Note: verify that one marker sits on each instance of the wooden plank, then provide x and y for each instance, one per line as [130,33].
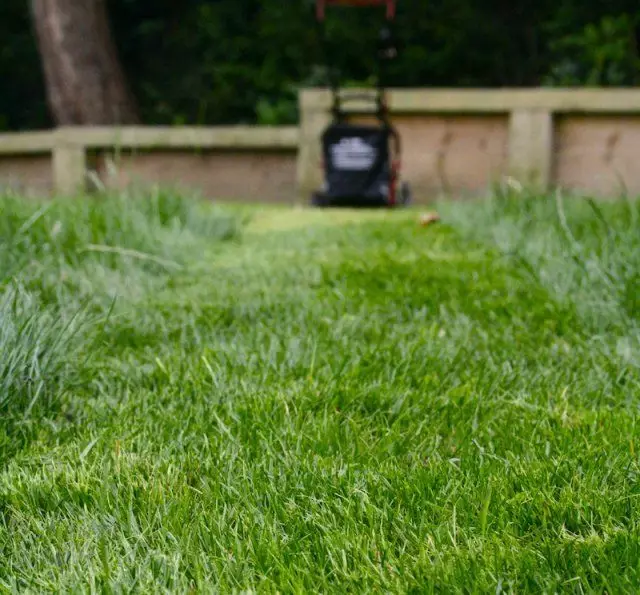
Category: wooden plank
[479,101]
[26,143]
[186,137]
[234,137]
[531,147]
[69,169]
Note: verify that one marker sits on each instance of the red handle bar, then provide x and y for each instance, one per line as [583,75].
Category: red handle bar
[322,4]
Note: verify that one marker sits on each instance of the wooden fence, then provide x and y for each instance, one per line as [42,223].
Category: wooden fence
[227,163]
[455,142]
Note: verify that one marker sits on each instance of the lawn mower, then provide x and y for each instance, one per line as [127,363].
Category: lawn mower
[361,163]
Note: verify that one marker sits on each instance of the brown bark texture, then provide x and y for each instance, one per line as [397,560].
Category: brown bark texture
[84,79]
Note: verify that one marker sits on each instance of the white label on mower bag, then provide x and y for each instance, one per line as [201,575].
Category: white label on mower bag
[353,154]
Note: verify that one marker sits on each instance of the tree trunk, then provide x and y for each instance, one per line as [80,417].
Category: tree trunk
[85,81]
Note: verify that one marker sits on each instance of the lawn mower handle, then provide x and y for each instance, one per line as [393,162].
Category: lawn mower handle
[340,98]
[347,96]
[322,4]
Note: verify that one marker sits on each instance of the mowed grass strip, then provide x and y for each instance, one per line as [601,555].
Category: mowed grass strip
[319,401]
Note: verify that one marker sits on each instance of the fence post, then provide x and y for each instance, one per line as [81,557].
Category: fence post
[531,146]
[69,163]
[314,117]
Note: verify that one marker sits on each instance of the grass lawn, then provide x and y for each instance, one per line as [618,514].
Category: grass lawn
[197,398]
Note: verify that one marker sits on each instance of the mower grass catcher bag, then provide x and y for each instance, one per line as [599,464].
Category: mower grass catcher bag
[357,166]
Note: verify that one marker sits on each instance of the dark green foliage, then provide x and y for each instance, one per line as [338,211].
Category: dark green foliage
[22,92]
[226,61]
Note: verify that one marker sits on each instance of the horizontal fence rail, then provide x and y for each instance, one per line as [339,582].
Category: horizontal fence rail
[479,101]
